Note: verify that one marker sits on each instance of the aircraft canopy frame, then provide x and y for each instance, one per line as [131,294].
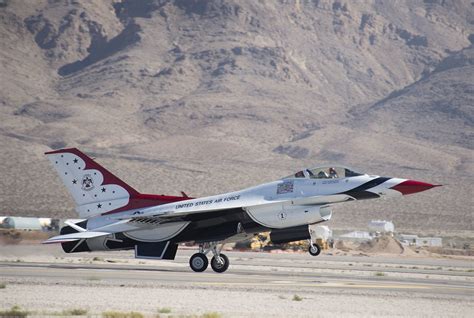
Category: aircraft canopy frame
[325,172]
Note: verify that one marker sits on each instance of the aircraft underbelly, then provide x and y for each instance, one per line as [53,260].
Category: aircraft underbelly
[158,233]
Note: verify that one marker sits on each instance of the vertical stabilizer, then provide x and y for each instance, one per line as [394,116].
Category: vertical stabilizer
[94,189]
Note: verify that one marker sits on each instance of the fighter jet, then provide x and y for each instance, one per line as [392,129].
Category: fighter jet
[115,216]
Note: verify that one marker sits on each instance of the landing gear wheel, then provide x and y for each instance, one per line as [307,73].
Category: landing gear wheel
[220,263]
[314,249]
[198,262]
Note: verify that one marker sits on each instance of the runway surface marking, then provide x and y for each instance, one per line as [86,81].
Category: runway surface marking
[335,285]
[230,279]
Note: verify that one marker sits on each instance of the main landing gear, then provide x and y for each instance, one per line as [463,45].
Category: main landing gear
[219,262]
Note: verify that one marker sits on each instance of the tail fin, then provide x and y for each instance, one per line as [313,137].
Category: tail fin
[94,189]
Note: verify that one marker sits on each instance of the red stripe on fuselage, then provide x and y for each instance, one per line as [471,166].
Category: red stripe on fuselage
[147,200]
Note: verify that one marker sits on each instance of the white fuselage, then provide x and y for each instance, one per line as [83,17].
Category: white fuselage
[279,204]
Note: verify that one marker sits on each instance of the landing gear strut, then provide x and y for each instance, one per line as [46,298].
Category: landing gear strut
[219,262]
[314,249]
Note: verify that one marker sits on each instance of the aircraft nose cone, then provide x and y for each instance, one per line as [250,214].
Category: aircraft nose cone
[412,186]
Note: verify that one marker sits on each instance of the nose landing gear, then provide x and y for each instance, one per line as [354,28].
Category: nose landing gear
[314,249]
[219,262]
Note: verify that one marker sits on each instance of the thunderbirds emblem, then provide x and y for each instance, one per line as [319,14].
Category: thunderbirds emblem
[87,183]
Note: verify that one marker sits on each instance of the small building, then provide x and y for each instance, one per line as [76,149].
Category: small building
[413,239]
[356,236]
[45,222]
[381,226]
[408,239]
[22,223]
[429,242]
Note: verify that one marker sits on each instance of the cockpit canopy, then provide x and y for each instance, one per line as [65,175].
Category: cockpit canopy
[329,172]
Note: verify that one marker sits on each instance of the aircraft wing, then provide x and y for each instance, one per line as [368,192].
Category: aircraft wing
[265,206]
[176,216]
[150,220]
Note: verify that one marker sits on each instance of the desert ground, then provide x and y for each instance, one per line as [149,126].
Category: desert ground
[45,281]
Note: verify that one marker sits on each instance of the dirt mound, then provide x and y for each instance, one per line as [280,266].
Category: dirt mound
[344,246]
[382,244]
[10,236]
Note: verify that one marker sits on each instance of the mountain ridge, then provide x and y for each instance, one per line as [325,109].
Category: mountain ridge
[216,95]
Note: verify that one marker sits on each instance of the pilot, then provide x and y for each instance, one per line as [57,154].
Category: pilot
[299,174]
[332,173]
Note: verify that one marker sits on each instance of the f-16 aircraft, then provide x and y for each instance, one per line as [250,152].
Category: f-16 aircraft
[115,216]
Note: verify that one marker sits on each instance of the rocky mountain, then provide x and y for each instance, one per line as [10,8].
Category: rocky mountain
[209,96]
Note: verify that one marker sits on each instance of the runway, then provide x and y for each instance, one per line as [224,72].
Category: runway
[236,278]
[255,283]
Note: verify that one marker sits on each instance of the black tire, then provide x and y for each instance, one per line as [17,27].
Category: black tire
[198,262]
[314,249]
[219,267]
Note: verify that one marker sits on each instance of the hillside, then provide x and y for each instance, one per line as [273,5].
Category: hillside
[208,96]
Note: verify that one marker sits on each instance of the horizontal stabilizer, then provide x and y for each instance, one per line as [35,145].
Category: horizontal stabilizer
[74,237]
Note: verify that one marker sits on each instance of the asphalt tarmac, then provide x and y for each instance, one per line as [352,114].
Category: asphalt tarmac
[449,282]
